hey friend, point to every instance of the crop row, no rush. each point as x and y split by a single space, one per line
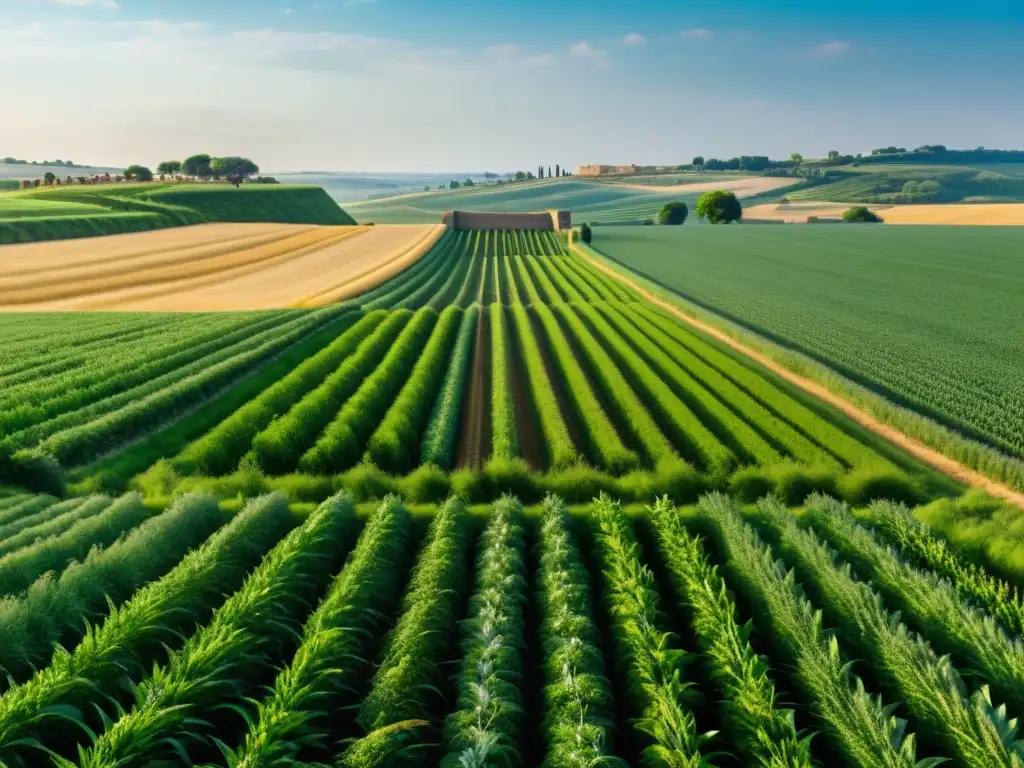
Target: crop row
604 638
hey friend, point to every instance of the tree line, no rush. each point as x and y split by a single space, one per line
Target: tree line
234 170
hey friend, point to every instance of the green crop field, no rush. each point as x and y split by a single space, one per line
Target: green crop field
438 525
881 183
57 213
592 201
600 390
926 315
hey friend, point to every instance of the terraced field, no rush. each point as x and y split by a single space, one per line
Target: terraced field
209 267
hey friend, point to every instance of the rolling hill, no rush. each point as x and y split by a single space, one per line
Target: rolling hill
57 213
593 201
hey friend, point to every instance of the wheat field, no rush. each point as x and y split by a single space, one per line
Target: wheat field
208 267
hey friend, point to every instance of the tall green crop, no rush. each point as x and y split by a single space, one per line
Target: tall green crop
764 734
647 660
335 650
485 728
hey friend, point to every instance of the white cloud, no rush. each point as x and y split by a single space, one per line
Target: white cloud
834 48
503 50
634 38
585 51
288 11
540 60
697 33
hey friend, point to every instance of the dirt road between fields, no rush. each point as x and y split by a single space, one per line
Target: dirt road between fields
747 187
919 450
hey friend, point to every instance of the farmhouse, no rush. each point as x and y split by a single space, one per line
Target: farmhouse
545 221
604 170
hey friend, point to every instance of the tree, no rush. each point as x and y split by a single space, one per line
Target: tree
138 173
169 168
833 154
911 190
586 235
520 176
796 158
468 183
540 171
698 162
530 176
673 213
453 184
49 177
549 171
861 215
929 188
719 207
558 170
234 166
197 165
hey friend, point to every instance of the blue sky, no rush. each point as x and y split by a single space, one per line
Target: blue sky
460 85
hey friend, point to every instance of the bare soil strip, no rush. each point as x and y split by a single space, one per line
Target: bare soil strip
473 447
912 446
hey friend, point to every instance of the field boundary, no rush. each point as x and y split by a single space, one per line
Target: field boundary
912 445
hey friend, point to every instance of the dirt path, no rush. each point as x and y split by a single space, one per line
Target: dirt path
912 446
473 447
743 187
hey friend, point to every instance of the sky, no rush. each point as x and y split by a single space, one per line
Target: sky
474 85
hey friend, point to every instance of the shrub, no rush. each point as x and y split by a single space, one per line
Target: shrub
749 484
428 484
586 235
719 207
859 214
673 213
794 483
366 483
512 476
862 486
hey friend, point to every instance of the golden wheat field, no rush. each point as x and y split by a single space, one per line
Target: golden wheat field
208 267
966 214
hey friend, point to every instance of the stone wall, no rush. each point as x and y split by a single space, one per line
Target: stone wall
545 221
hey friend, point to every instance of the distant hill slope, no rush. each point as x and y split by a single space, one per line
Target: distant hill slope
929 183
58 213
588 200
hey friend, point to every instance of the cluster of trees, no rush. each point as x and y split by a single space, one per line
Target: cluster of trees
559 172
64 163
202 166
861 215
51 179
510 178
233 169
921 190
